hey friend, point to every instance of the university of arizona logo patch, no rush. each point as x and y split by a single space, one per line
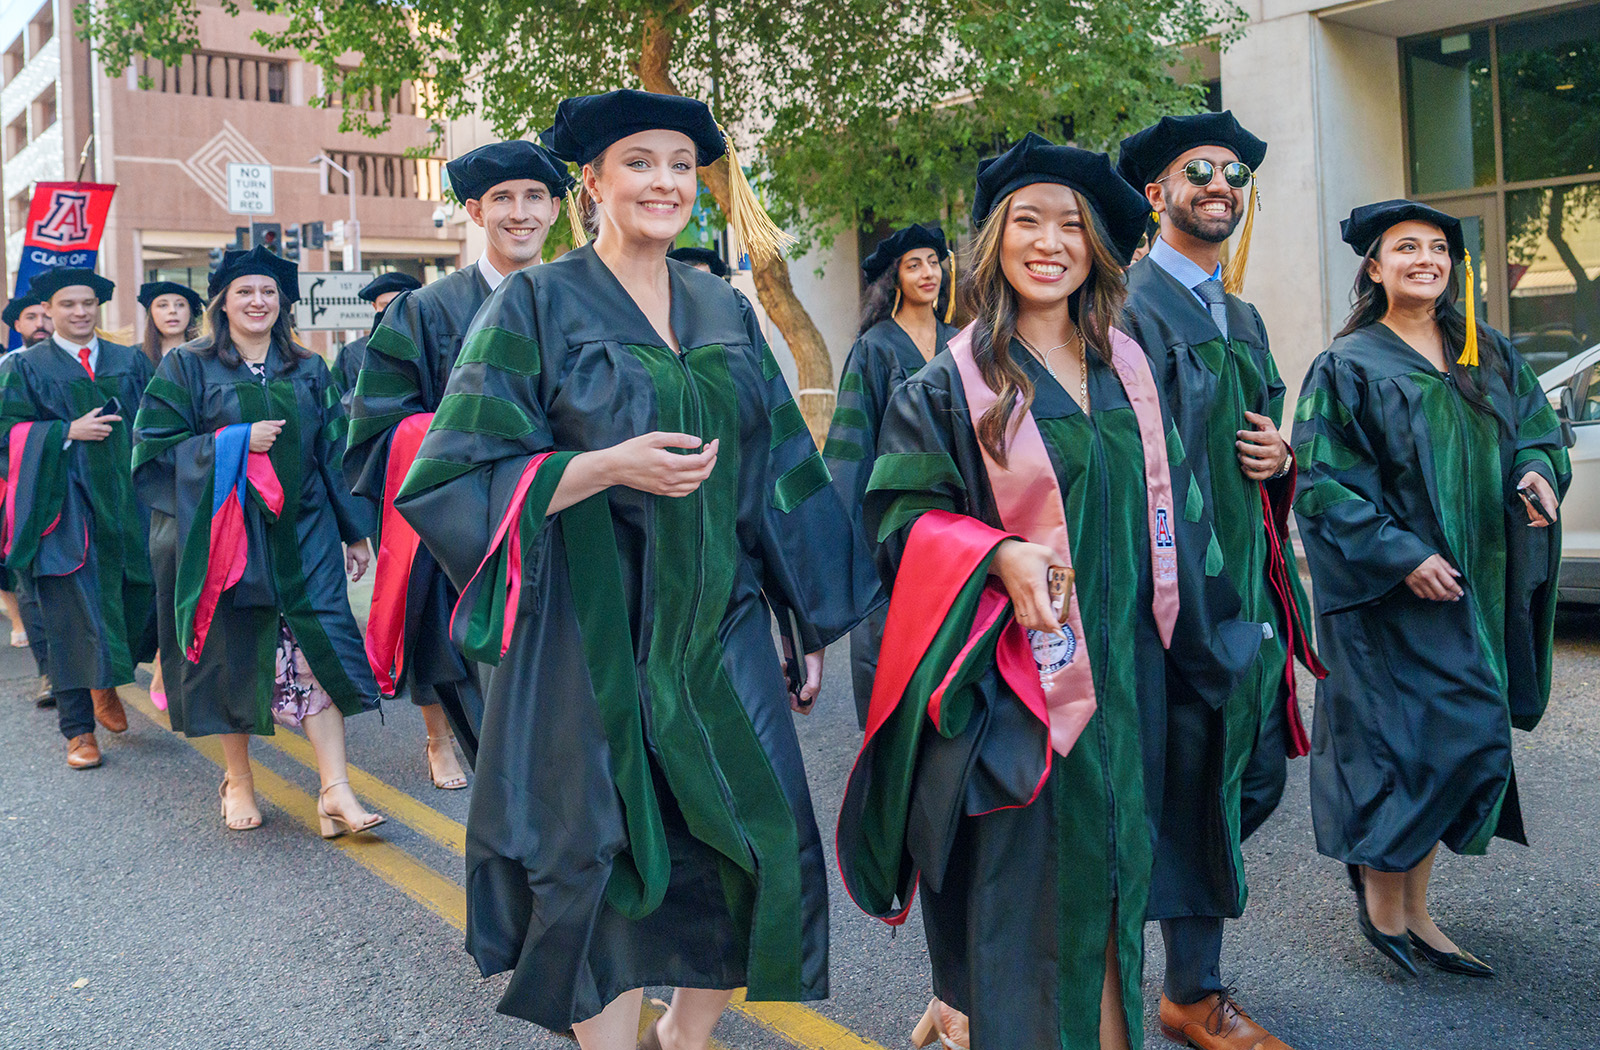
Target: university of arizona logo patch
66 222
1163 538
1053 652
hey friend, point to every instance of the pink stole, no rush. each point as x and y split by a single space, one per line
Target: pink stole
1030 504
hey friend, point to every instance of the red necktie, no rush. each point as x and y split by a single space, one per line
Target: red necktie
83 356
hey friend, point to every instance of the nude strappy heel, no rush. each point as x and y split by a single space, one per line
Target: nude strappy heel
334 824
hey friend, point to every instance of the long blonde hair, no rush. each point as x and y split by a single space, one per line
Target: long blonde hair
991 300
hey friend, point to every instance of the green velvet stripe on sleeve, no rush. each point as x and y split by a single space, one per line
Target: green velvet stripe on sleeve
1527 382
787 421
915 472
908 508
1321 404
769 364
799 482
368 427
391 342
850 416
502 349
1319 497
842 450
428 474
1542 422
384 384
164 389
853 382
483 414
1321 448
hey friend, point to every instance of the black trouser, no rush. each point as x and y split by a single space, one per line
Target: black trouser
33 622
1194 943
75 712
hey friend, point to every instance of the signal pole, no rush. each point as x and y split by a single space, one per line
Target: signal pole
352 228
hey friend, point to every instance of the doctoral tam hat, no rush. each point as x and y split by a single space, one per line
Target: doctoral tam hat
889 250
702 257
1145 154
1369 222
1119 210
152 290
477 172
384 283
13 311
257 262
46 284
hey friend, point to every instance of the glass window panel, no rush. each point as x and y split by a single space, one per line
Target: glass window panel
1450 107
1553 271
1550 95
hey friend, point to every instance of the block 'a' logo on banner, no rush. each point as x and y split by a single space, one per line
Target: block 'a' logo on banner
66 222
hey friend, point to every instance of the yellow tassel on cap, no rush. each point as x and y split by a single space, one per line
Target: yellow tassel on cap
1233 273
950 304
760 235
1469 353
580 236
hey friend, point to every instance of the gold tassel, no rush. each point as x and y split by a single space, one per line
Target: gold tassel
950 304
895 309
1233 273
760 235
1469 353
580 236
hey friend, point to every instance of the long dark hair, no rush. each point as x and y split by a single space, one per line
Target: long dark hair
878 304
152 335
218 341
1370 303
992 302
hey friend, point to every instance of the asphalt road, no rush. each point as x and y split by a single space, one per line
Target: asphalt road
130 918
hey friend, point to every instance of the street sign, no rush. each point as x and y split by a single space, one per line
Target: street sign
250 189
328 301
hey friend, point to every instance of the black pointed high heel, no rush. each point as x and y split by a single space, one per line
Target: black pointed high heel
1460 961
1394 946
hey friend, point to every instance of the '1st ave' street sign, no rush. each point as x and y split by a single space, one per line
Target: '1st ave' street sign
250 189
329 301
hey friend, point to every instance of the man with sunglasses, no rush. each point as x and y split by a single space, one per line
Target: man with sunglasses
1224 769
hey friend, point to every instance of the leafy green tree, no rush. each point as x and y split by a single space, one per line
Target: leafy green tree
866 110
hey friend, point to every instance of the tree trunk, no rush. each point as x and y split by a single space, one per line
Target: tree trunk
813 366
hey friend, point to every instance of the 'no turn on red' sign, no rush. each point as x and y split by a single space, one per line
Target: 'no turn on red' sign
250 189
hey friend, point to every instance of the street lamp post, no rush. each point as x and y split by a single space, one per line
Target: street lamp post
352 230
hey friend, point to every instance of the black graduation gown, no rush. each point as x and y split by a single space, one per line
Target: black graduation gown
1017 902
879 361
641 815
1411 744
79 534
296 562
407 363
347 364
1213 761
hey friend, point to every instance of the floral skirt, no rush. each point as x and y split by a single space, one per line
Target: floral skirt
296 694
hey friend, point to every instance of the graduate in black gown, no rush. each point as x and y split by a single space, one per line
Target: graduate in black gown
72 525
620 481
1014 742
705 259
30 320
380 292
513 190
238 458
1226 766
905 317
1430 470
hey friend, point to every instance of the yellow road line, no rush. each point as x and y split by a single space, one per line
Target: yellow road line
793 1022
390 800
389 862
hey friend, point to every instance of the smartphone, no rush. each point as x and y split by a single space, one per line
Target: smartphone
112 407
1536 512
1059 582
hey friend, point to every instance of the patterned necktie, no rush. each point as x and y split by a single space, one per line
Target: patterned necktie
1211 293
83 356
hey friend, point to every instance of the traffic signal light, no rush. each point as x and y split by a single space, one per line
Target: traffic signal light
268 235
315 235
291 242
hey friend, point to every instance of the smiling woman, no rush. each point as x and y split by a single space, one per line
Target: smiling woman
620 482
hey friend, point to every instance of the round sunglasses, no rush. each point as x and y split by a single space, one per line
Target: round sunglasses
1200 173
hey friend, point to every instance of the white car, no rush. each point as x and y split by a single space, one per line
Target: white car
1573 387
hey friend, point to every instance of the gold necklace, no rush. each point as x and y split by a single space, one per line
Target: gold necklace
1083 366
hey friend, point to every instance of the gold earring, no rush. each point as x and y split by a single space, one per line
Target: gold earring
896 307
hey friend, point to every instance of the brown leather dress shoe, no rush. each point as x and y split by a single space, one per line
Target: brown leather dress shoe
83 752
108 710
1215 1023
46 696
